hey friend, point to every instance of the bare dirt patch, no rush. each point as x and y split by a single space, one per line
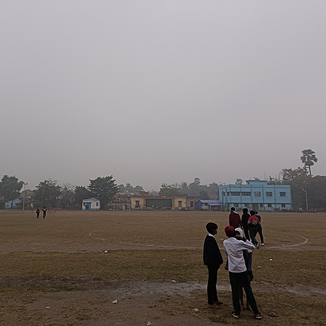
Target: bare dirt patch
68 269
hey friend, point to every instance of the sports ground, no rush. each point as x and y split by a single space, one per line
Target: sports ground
145 268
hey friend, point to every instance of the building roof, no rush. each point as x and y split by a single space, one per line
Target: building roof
211 202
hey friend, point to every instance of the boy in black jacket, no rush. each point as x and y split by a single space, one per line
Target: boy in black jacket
213 260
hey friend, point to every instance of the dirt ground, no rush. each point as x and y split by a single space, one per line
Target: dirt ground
54 298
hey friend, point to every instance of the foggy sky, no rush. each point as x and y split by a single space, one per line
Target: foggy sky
156 92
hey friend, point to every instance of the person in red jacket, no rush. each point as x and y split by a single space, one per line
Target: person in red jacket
234 219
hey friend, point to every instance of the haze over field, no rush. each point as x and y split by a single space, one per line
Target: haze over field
161 91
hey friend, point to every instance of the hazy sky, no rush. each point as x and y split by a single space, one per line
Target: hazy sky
156 92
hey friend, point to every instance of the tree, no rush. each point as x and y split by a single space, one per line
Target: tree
204 195
297 179
194 188
47 194
170 190
67 196
308 158
10 187
104 189
184 188
80 193
316 190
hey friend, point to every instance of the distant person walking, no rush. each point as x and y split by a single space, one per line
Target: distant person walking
234 218
238 271
213 260
44 210
244 220
253 224
37 212
260 230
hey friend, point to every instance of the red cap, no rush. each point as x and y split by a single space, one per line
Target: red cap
229 231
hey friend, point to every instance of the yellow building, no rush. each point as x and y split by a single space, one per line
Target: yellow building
158 202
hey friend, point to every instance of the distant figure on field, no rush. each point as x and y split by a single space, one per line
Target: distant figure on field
253 224
260 230
37 212
44 210
238 271
234 218
244 220
213 260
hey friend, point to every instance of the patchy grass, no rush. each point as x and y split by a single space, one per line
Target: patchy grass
70 252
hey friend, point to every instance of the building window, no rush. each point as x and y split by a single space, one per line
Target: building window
269 194
269 205
283 194
246 193
283 205
179 204
257 193
261 205
191 204
137 204
97 204
236 205
233 193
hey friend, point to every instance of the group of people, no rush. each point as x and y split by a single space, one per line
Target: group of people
44 210
251 224
241 241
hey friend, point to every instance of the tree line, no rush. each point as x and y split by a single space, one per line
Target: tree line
307 190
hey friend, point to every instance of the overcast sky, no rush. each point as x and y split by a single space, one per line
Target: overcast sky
156 92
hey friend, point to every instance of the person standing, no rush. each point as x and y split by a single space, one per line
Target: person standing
244 220
213 260
234 218
238 271
260 230
253 224
37 212
44 210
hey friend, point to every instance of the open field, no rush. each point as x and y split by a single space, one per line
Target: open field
67 269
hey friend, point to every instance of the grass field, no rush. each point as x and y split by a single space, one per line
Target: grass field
67 269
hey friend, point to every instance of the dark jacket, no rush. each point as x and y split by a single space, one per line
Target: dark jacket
212 254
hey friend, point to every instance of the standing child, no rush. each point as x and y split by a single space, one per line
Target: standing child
213 260
238 271
37 212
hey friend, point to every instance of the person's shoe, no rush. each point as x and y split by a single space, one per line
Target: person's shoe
257 245
234 315
218 302
258 316
262 244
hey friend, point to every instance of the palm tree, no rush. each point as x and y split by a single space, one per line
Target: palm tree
308 158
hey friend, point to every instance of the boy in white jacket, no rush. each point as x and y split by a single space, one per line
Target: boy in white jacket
238 271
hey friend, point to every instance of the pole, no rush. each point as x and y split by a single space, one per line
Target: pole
24 195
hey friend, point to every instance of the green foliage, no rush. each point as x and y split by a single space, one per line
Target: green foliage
128 189
47 193
104 189
80 193
297 179
170 190
308 158
67 196
10 187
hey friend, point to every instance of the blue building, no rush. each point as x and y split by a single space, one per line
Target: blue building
13 203
211 205
257 195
